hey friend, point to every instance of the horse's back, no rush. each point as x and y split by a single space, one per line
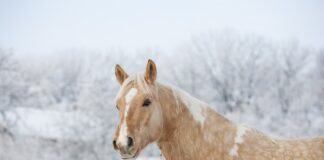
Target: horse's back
258 146
311 149
321 146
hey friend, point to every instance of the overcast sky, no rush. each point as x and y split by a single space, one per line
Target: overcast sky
40 26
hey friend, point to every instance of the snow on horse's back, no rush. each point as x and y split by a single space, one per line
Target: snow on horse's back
184 127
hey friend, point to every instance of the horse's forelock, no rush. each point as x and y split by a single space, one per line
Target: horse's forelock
136 81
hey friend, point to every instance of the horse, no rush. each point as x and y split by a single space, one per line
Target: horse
185 128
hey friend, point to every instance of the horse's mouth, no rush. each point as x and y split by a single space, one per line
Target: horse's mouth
132 157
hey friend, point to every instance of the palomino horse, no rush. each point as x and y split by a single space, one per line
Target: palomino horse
185 128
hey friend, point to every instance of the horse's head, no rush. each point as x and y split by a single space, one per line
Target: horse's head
140 116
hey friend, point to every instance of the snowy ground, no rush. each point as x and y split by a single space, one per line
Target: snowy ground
50 130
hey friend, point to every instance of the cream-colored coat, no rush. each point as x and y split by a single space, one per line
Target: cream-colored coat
219 139
185 128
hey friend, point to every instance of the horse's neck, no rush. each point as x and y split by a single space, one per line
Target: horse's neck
186 121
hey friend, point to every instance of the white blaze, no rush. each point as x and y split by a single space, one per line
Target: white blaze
241 130
130 95
122 138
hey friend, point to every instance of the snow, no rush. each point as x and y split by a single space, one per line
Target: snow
52 124
62 105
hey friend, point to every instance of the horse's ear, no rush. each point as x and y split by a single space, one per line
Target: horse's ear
151 72
121 75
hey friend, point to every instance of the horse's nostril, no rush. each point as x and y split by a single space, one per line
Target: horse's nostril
115 145
130 142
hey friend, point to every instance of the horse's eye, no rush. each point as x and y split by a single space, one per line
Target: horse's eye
146 103
117 107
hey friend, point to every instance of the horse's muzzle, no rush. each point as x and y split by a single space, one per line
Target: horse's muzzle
125 150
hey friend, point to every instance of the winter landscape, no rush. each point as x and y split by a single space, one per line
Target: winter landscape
60 105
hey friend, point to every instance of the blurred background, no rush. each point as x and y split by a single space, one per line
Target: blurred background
257 62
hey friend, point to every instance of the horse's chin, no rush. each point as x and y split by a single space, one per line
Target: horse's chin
132 156
136 151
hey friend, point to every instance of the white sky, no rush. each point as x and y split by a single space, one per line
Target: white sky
40 26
